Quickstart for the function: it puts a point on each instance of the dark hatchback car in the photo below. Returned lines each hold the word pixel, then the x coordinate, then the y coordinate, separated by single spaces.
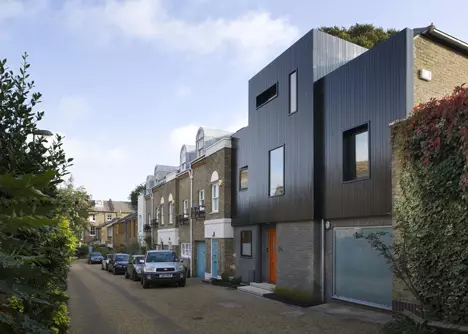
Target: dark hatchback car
pixel 135 267
pixel 118 263
pixel 94 257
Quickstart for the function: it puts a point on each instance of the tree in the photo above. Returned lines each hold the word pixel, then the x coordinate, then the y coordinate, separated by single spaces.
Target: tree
pixel 74 204
pixel 36 244
pixel 133 197
pixel 365 35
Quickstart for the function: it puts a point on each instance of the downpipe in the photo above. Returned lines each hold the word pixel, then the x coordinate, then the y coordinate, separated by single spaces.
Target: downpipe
pixel 191 220
pixel 323 260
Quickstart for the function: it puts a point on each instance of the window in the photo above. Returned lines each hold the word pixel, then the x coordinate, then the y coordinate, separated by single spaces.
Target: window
pixel 356 153
pixel 186 249
pixel 293 92
pixel 92 231
pixel 276 172
pixel 183 159
pixel 244 178
pixel 109 233
pixel 246 243
pixel 186 208
pixel 267 95
pixel 171 213
pixel 201 197
pixel 200 143
pixel 109 217
pixel 157 214
pixel 215 197
pixel 162 214
pixel 92 218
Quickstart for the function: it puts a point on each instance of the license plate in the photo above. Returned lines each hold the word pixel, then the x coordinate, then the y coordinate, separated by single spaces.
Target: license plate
pixel 165 275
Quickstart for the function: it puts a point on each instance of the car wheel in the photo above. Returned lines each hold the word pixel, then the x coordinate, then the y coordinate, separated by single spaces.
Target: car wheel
pixel 134 276
pixel 145 284
pixel 126 274
pixel 114 272
pixel 183 283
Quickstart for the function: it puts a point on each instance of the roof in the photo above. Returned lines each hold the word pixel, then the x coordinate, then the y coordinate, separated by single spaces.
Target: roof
pixel 129 217
pixel 433 33
pixel 188 148
pixel 111 206
pixel 108 223
pixel 215 133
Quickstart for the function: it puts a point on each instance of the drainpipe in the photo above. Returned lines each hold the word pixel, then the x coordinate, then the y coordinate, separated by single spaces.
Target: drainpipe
pixel 323 260
pixel 191 220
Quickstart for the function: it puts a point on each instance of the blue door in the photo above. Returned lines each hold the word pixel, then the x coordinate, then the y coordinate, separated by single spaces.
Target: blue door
pixel 214 257
pixel 201 260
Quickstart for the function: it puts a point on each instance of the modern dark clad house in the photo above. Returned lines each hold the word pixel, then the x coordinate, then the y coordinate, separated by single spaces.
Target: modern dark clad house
pixel 313 167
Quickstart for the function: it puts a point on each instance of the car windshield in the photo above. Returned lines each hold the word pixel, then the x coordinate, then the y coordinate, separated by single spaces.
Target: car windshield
pixel 161 257
pixel 122 257
pixel 96 254
pixel 138 258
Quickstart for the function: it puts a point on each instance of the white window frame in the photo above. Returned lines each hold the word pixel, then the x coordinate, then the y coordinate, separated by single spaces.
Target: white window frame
pixel 186 208
pixel 171 213
pixel 92 234
pixel 109 217
pixel 201 197
pixel 215 197
pixel 183 159
pixel 162 214
pixel 109 233
pixel 92 218
pixel 158 214
pixel 200 143
pixel 186 250
pixel 293 92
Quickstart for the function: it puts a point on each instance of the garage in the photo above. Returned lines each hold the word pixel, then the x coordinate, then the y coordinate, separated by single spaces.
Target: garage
pixel 361 274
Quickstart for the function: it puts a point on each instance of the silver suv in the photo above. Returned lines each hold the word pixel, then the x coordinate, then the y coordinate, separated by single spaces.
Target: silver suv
pixel 162 267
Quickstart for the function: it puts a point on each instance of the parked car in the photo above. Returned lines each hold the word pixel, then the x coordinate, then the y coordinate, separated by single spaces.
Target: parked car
pixel 105 261
pixel 162 267
pixel 118 263
pixel 94 257
pixel 134 267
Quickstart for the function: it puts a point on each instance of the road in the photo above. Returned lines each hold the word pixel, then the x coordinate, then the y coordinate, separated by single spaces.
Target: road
pixel 103 303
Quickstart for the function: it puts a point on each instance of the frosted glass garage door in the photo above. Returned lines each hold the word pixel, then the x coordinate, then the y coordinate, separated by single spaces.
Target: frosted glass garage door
pixel 361 274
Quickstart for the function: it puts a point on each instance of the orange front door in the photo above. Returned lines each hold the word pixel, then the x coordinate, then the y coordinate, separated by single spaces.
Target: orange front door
pixel 272 255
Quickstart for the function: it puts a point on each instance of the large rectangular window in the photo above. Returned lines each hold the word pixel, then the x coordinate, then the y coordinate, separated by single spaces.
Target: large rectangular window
pixel 246 243
pixel 244 178
pixel 276 172
pixel 268 95
pixel 215 197
pixel 186 208
pixel 171 213
pixel 356 153
pixel 293 92
pixel 92 231
pixel 201 197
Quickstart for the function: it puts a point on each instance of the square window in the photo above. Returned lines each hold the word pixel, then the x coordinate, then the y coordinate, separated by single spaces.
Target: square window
pixel 244 178
pixel 293 92
pixel 109 217
pixel 246 243
pixel 356 153
pixel 215 197
pixel 276 171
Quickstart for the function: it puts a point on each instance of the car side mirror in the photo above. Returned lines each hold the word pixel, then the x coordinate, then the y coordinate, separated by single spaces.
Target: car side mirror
pixel 181 260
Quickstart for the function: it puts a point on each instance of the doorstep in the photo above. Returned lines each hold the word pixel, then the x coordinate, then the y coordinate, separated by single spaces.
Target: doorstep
pixel 257 289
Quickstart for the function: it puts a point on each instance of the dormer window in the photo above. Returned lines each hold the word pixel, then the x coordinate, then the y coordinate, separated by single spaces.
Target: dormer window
pixel 200 143
pixel 183 158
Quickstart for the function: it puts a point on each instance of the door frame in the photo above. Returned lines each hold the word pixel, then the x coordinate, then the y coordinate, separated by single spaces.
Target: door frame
pixel 272 231
pixel 217 254
pixel 201 258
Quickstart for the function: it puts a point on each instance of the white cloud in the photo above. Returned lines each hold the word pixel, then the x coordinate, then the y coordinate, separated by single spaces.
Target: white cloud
pixel 72 108
pixel 238 122
pixel 251 37
pixel 183 135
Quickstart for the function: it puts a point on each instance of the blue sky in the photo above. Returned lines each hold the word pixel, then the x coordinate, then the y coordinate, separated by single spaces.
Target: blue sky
pixel 129 81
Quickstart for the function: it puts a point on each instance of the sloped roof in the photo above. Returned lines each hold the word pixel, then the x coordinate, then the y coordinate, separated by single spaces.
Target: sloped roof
pixel 433 33
pixel 112 206
pixel 215 133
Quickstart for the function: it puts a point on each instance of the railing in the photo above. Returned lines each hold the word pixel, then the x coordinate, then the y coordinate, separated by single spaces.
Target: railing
pixel 198 211
pixel 154 222
pixel 147 228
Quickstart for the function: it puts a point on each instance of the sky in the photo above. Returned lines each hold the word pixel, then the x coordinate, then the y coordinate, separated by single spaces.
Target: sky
pixel 128 82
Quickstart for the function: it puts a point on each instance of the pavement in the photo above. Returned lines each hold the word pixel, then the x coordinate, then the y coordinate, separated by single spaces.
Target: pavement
pixel 103 303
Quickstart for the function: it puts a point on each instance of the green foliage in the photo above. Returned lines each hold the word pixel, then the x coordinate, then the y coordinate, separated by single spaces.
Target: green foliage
pixel 133 197
pixel 82 251
pixel 365 35
pixel 36 242
pixel 74 204
pixel 294 294
pixel 429 251
pixel 403 325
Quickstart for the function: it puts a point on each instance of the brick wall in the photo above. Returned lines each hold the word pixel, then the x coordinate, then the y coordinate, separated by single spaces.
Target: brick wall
pixel 208 255
pixel 200 183
pixel 449 69
pixel 226 258
pixel 298 256
pixel 183 194
pixel 221 163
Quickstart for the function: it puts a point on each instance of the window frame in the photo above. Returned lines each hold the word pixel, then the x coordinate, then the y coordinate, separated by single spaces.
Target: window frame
pixel 200 143
pixel 245 168
pixel 242 243
pixel 186 207
pixel 183 159
pixel 284 171
pixel 258 106
pixel 214 185
pixel 201 192
pixel 107 217
pixel 90 229
pixel 355 131
pixel 296 95
pixel 171 212
pixel 186 250
pixel 162 213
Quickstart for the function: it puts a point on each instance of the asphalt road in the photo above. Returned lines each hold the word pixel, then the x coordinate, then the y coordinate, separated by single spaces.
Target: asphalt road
pixel 103 303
